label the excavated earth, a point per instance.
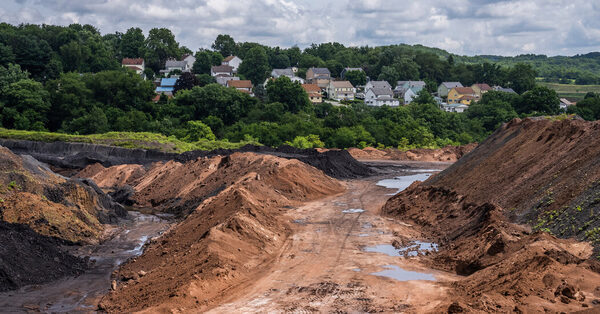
(445, 154)
(530, 173)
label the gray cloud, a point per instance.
(470, 27)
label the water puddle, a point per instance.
(397, 273)
(353, 211)
(364, 235)
(138, 250)
(403, 182)
(413, 249)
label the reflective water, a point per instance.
(397, 273)
(402, 182)
(353, 211)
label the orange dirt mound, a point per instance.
(231, 237)
(447, 154)
(529, 171)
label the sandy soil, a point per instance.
(82, 293)
(323, 266)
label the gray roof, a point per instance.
(175, 64)
(417, 83)
(380, 84)
(382, 91)
(506, 90)
(321, 71)
(281, 72)
(452, 84)
(221, 68)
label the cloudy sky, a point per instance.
(505, 27)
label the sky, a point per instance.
(465, 27)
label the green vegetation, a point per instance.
(572, 91)
(143, 140)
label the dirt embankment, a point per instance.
(39, 211)
(525, 172)
(76, 156)
(233, 231)
(446, 154)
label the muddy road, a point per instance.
(340, 257)
(82, 294)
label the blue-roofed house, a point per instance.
(167, 85)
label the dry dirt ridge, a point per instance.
(66, 157)
(532, 173)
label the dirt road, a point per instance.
(326, 266)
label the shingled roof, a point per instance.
(132, 61)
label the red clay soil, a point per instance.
(447, 154)
(472, 208)
(231, 237)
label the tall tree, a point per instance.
(255, 66)
(357, 78)
(160, 45)
(225, 45)
(290, 93)
(203, 62)
(132, 43)
(522, 78)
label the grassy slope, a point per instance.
(572, 91)
(144, 140)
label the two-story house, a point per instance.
(461, 95)
(377, 84)
(381, 96)
(341, 90)
(241, 85)
(445, 88)
(232, 61)
(314, 93)
(136, 64)
(289, 72)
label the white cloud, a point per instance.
(506, 27)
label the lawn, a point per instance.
(572, 91)
(144, 140)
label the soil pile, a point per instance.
(65, 156)
(447, 154)
(234, 233)
(51, 205)
(30, 258)
(527, 171)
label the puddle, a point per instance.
(138, 250)
(367, 225)
(364, 235)
(397, 273)
(402, 182)
(299, 221)
(356, 269)
(413, 249)
(423, 170)
(353, 211)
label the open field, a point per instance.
(572, 91)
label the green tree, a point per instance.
(187, 80)
(290, 93)
(225, 45)
(357, 78)
(196, 130)
(29, 103)
(203, 62)
(6, 55)
(280, 61)
(255, 66)
(540, 99)
(491, 114)
(522, 77)
(160, 46)
(132, 43)
(388, 74)
(12, 73)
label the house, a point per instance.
(345, 70)
(232, 61)
(565, 103)
(341, 90)
(377, 84)
(505, 90)
(221, 70)
(172, 65)
(167, 85)
(381, 96)
(244, 86)
(136, 64)
(190, 60)
(463, 95)
(445, 87)
(312, 74)
(314, 93)
(222, 79)
(480, 89)
(454, 107)
(416, 86)
(289, 72)
(406, 95)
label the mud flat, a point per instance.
(81, 293)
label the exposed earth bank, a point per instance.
(532, 172)
(445, 154)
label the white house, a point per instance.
(137, 64)
(377, 84)
(172, 65)
(406, 95)
(232, 61)
(189, 59)
(381, 96)
(221, 70)
(289, 72)
(454, 107)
